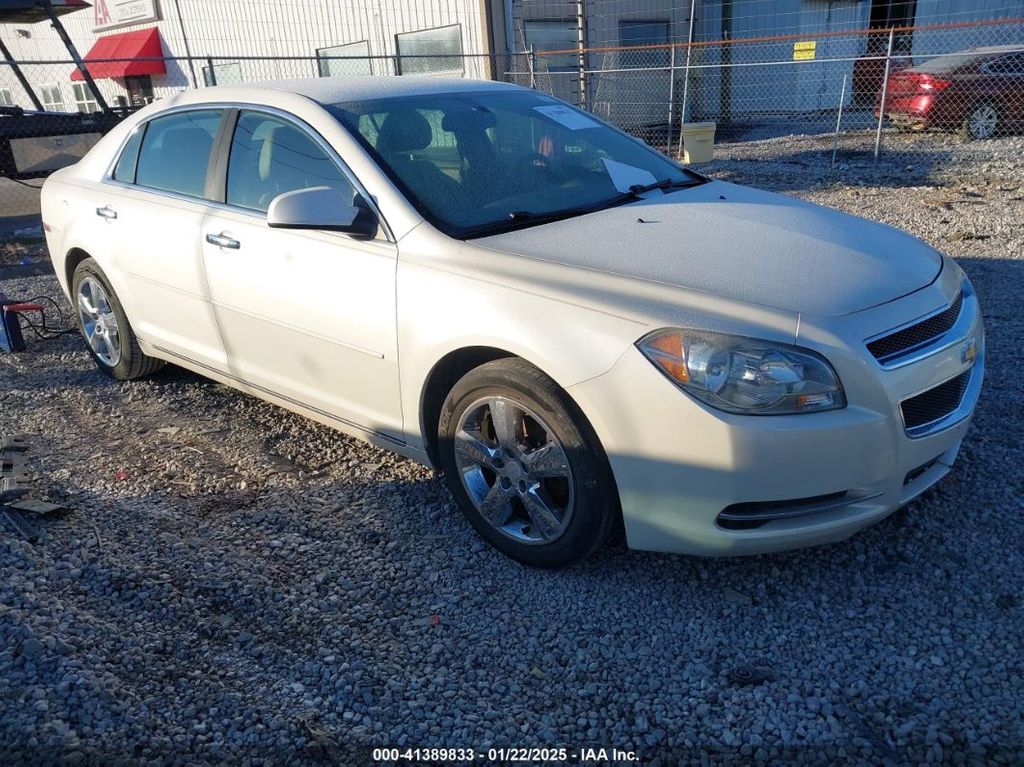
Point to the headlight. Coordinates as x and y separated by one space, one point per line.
744 375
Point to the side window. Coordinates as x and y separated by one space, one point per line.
270 156
1007 65
129 160
176 151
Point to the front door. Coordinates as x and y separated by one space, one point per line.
307 315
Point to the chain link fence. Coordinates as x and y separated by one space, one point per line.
804 90
815 97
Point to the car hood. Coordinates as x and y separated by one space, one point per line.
739 243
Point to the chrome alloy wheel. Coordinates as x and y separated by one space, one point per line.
99 322
514 470
983 121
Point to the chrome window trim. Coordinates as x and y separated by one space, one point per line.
108 176
942 342
960 413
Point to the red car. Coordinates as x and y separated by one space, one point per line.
978 91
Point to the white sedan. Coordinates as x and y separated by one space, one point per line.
573 328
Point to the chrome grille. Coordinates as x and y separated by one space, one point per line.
936 403
887 348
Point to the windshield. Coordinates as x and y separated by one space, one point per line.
482 162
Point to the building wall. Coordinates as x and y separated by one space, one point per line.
230 28
929 42
777 84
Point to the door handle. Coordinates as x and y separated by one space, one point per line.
106 212
222 241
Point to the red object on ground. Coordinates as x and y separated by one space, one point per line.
23 308
141 44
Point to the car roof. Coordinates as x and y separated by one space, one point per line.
995 49
335 90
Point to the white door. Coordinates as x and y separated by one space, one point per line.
154 210
307 315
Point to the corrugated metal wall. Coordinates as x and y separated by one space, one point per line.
928 43
248 28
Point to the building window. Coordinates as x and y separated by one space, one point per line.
226 73
634 33
85 100
52 98
441 49
355 61
6 100
551 35
140 89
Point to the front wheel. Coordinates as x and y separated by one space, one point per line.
982 122
525 466
104 325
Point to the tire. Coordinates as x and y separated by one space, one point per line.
547 507
96 305
982 122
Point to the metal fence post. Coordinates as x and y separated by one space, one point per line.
581 40
839 119
686 76
212 78
531 64
885 94
671 96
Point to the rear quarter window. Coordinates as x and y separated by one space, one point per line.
129 160
175 151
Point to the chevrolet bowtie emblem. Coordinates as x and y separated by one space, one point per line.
968 351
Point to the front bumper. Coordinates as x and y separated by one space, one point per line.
679 465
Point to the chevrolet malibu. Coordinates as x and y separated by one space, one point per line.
578 332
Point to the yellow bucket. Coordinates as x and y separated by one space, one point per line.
698 142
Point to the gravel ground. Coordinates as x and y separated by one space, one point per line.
236 583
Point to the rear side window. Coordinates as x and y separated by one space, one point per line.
176 151
125 170
270 156
1007 65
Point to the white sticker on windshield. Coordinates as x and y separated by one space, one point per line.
568 117
626 176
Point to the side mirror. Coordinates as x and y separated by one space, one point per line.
324 208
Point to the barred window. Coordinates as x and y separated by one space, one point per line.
430 51
225 73
52 98
553 35
348 60
634 33
85 99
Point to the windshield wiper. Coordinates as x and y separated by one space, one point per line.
665 184
518 219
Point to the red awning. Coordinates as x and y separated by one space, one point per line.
130 47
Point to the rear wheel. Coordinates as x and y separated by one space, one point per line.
982 122
524 466
101 318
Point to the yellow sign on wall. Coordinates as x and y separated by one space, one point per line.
804 50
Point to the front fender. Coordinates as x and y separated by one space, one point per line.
441 311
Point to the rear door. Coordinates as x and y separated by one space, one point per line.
153 208
307 315
1008 86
